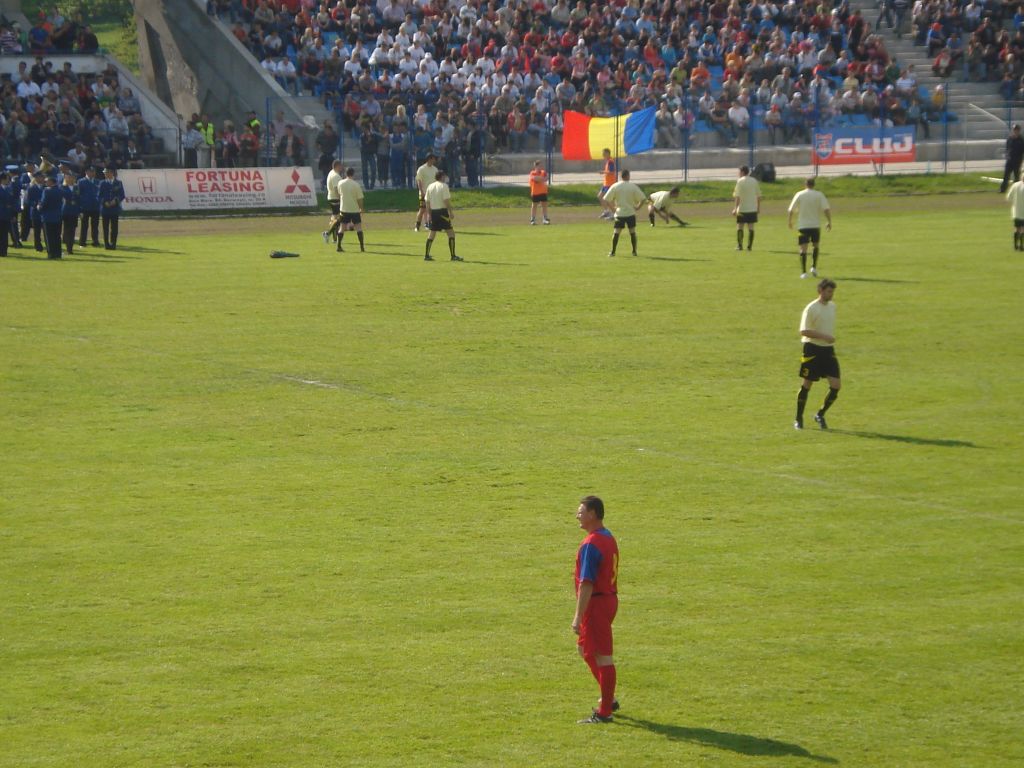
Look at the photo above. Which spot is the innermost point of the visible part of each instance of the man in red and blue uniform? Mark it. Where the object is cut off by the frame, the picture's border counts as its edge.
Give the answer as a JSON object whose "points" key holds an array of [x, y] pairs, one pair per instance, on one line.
{"points": [[597, 571]]}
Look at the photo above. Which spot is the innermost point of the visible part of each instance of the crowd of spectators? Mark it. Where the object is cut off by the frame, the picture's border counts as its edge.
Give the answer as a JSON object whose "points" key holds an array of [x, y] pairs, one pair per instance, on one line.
{"points": [[460, 77], [49, 109]]}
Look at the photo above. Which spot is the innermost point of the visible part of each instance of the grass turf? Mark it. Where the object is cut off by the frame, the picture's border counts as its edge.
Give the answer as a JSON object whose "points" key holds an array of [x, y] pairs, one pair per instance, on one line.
{"points": [[319, 511]]}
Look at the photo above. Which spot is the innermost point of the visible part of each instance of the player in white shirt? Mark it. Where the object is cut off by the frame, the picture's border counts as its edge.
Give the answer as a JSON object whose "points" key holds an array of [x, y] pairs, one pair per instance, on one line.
{"points": [[426, 174], [626, 198], [1015, 196], [818, 334], [809, 205], [661, 204], [334, 178], [439, 201], [350, 195], [746, 197]]}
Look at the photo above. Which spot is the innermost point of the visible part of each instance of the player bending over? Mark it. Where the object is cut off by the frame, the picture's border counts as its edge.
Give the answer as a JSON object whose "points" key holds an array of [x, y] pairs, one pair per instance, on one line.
{"points": [[661, 204]]}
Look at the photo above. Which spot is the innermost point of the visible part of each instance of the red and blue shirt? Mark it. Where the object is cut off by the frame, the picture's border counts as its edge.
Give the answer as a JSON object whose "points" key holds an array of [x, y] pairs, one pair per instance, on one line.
{"points": [[597, 561]]}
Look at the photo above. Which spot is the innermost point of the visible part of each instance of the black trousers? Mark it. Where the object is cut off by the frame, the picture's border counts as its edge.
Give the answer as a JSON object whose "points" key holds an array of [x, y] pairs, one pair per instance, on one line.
{"points": [[37, 233], [110, 229], [69, 224], [52, 239], [90, 222], [26, 223], [5, 233], [1012, 168]]}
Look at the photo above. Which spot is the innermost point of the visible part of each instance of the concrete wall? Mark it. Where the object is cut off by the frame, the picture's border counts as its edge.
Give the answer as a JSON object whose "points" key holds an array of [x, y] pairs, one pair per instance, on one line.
{"points": [[194, 66]]}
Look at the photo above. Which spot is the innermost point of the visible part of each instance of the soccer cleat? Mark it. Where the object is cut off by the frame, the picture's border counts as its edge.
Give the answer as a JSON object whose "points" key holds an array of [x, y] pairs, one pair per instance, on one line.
{"points": [[428, 257], [533, 222], [547, 221], [814, 271], [457, 258], [634, 253], [739, 247], [819, 419], [750, 247], [416, 228], [798, 424], [339, 249], [594, 719], [615, 704], [610, 254], [326, 236], [803, 275]]}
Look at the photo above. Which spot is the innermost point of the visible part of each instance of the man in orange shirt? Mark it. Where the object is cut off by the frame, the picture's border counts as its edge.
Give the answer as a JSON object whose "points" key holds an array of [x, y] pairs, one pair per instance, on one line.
{"points": [[611, 175], [538, 192]]}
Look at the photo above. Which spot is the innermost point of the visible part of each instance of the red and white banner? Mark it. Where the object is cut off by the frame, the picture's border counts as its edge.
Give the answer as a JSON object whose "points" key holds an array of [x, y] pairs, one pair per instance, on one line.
{"points": [[863, 145], [197, 189]]}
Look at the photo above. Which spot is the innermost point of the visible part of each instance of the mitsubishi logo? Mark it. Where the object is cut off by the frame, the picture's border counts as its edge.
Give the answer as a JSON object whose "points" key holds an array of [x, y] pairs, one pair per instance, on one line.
{"points": [[295, 185]]}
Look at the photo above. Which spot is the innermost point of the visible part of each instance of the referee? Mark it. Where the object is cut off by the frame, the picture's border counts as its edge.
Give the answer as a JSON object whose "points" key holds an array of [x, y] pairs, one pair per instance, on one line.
{"points": [[438, 200], [350, 203], [818, 334], [746, 198], [334, 178]]}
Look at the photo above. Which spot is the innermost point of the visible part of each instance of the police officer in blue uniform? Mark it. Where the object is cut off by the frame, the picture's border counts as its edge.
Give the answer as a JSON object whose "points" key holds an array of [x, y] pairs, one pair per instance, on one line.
{"points": [[111, 197], [89, 200], [51, 206], [70, 210], [8, 209], [30, 203]]}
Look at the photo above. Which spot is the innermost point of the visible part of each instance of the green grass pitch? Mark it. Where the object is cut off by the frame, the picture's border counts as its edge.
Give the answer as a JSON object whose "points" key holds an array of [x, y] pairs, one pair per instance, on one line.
{"points": [[319, 511]]}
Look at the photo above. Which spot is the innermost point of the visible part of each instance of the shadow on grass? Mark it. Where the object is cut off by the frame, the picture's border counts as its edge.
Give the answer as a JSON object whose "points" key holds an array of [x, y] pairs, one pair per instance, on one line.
{"points": [[75, 257], [739, 743], [496, 263], [478, 234], [906, 439], [872, 280], [144, 249], [670, 258]]}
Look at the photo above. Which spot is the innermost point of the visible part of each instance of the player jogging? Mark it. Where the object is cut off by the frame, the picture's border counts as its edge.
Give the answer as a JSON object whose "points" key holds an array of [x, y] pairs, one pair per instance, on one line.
{"points": [[610, 177], [538, 192], [661, 204], [809, 205], [1016, 199], [818, 334], [334, 178], [426, 175], [439, 200], [350, 195], [597, 601], [626, 197], [746, 198]]}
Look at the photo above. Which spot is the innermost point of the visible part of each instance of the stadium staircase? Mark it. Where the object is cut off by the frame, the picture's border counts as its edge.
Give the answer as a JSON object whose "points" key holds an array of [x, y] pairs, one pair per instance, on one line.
{"points": [[969, 123]]}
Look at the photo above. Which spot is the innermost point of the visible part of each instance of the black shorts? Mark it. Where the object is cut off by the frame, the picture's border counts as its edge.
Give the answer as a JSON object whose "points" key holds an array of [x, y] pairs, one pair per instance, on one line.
{"points": [[1018, 222], [351, 218], [439, 221], [539, 198], [746, 218], [335, 206], [818, 362], [625, 221], [809, 236]]}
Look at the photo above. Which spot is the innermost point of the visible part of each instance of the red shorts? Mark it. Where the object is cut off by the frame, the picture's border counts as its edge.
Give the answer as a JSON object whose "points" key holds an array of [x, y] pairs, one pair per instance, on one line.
{"points": [[596, 629]]}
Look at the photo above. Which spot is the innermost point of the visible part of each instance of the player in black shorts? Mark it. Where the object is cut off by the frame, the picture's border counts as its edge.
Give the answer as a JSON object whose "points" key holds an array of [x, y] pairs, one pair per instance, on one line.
{"points": [[817, 331], [437, 194]]}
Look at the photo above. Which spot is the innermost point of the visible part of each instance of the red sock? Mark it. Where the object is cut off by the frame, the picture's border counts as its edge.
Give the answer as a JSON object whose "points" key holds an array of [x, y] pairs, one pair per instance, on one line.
{"points": [[607, 681], [594, 669]]}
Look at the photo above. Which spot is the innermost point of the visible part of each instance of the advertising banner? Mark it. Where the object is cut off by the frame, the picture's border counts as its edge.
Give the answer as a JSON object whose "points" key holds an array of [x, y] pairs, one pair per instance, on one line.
{"points": [[863, 145], [196, 189]]}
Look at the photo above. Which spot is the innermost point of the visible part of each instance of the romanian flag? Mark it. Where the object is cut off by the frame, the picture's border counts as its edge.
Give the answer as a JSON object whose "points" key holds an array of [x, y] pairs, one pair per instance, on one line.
{"points": [[584, 137]]}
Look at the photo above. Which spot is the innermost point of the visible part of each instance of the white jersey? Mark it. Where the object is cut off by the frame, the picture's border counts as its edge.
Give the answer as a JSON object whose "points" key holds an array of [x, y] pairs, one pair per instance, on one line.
{"points": [[626, 196], [437, 196], [819, 317], [810, 205], [351, 195], [1015, 196], [333, 180], [662, 201], [748, 191]]}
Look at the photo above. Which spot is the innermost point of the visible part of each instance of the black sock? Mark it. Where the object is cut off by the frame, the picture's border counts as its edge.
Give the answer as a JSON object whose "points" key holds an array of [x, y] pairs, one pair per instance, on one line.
{"points": [[429, 243], [632, 240], [651, 217], [359, 234], [829, 399], [341, 236], [615, 241], [803, 262], [750, 239], [814, 257], [801, 401], [451, 246], [739, 237]]}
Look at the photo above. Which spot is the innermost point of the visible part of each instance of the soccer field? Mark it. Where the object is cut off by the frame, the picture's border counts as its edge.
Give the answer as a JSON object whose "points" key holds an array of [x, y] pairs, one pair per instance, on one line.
{"points": [[320, 511]]}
